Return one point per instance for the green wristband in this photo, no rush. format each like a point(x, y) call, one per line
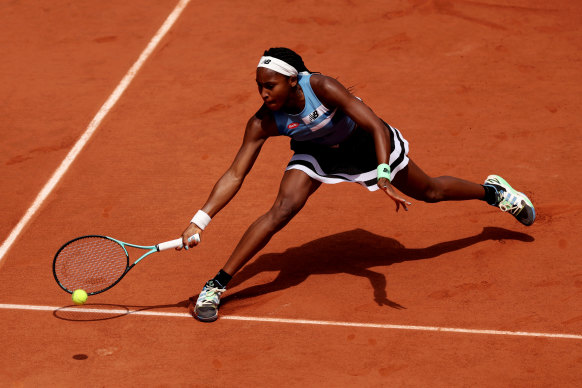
point(384, 171)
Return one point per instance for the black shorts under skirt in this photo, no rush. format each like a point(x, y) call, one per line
point(353, 160)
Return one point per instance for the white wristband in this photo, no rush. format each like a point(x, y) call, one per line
point(201, 219)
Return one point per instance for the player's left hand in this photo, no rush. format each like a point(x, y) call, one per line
point(384, 184)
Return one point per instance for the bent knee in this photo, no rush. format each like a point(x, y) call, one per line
point(433, 195)
point(283, 211)
point(433, 192)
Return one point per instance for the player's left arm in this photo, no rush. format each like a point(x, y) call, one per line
point(334, 95)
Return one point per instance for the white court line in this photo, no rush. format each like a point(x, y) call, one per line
point(93, 125)
point(294, 321)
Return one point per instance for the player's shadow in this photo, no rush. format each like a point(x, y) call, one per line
point(353, 252)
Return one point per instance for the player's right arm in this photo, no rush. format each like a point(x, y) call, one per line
point(259, 128)
point(257, 132)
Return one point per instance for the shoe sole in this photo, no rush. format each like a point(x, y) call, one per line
point(204, 319)
point(503, 183)
point(192, 311)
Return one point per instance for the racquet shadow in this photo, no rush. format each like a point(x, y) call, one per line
point(91, 312)
point(352, 252)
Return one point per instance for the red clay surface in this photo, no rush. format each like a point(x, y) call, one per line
point(476, 88)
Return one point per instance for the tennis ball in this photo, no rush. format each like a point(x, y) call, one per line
point(79, 296)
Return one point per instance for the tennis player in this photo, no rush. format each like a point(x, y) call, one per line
point(335, 138)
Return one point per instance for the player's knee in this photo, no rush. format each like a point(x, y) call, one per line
point(434, 192)
point(432, 196)
point(283, 211)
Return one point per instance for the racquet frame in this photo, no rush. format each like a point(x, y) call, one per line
point(151, 249)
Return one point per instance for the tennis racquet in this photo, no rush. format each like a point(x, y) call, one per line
point(96, 263)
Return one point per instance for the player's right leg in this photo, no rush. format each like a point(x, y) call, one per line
point(295, 189)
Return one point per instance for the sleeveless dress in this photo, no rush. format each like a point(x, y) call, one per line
point(330, 148)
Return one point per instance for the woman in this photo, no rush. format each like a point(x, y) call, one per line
point(336, 138)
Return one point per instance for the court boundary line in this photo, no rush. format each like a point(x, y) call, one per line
point(92, 127)
point(297, 321)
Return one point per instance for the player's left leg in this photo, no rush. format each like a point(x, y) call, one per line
point(414, 182)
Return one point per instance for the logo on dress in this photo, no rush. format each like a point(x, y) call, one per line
point(313, 115)
point(292, 125)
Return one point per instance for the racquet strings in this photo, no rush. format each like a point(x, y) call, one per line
point(90, 263)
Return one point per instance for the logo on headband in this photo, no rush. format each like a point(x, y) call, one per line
point(266, 61)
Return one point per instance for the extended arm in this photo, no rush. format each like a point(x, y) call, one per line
point(258, 129)
point(231, 181)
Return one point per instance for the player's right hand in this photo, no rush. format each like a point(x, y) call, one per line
point(188, 236)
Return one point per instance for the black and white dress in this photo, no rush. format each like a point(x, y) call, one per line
point(329, 146)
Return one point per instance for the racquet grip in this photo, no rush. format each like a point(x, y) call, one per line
point(173, 244)
point(177, 243)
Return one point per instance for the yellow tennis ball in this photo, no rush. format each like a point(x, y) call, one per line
point(79, 296)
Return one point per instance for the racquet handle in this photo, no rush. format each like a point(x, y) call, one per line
point(173, 244)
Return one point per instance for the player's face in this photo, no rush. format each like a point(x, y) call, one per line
point(274, 88)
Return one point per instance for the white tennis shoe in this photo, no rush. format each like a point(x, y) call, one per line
point(206, 309)
point(512, 201)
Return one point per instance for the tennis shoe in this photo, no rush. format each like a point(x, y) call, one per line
point(206, 307)
point(512, 201)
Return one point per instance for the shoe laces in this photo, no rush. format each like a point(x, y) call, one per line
point(211, 296)
point(507, 205)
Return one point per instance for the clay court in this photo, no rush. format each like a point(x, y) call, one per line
point(119, 117)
